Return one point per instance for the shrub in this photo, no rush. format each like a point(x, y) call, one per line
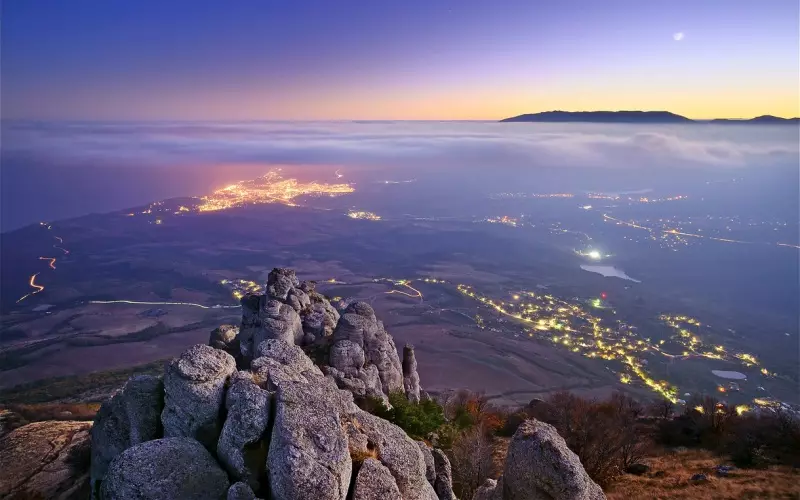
point(604, 434)
point(419, 420)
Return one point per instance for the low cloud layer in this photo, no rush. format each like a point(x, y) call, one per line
point(465, 144)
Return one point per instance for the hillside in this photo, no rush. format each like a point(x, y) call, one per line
point(646, 117)
point(304, 400)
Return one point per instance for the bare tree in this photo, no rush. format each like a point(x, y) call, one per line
point(471, 457)
point(662, 408)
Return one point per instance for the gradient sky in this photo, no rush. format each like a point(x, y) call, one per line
point(382, 59)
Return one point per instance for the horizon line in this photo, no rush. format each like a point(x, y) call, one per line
point(384, 120)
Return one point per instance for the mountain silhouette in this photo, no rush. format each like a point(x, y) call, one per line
point(639, 117)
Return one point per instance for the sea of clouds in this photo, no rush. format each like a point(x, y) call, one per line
point(478, 144)
point(54, 170)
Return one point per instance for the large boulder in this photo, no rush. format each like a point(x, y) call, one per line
point(239, 448)
point(375, 482)
point(321, 317)
point(279, 321)
point(130, 417)
point(308, 450)
point(488, 491)
point(278, 361)
point(359, 326)
point(298, 300)
point(540, 465)
point(410, 374)
point(175, 468)
point(398, 452)
point(45, 460)
point(280, 282)
point(346, 354)
point(194, 385)
point(443, 485)
point(308, 453)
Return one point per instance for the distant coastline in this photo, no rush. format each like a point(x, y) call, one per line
point(640, 117)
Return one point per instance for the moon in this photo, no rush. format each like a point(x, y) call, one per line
point(678, 36)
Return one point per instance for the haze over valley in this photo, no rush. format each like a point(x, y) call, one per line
point(520, 259)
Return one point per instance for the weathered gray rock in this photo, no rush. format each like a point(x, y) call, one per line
point(279, 321)
point(488, 491)
point(308, 286)
point(45, 460)
point(430, 467)
point(226, 338)
point(359, 326)
point(241, 491)
point(540, 465)
point(398, 452)
point(175, 468)
point(308, 454)
point(298, 299)
point(279, 282)
point(278, 362)
point(130, 417)
point(444, 476)
point(364, 382)
point(346, 354)
point(194, 385)
point(238, 448)
point(251, 323)
point(410, 374)
point(375, 482)
point(329, 316)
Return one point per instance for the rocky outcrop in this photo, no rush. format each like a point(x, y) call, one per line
point(238, 448)
point(359, 331)
point(308, 451)
point(289, 310)
point(130, 417)
point(280, 282)
point(179, 468)
point(410, 375)
point(398, 452)
point(375, 482)
point(194, 386)
point(279, 321)
point(281, 428)
point(539, 465)
point(46, 460)
point(443, 484)
point(320, 319)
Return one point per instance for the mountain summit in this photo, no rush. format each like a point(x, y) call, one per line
point(638, 117)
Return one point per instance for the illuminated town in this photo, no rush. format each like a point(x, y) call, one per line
point(571, 324)
point(270, 188)
point(240, 287)
point(358, 214)
point(508, 221)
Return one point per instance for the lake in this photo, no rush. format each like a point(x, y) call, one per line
point(608, 272)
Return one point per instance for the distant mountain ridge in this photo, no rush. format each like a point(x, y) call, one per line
point(639, 117)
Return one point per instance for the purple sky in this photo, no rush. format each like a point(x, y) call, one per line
point(415, 59)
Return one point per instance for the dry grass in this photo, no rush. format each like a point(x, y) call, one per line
point(775, 482)
point(358, 456)
point(53, 411)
